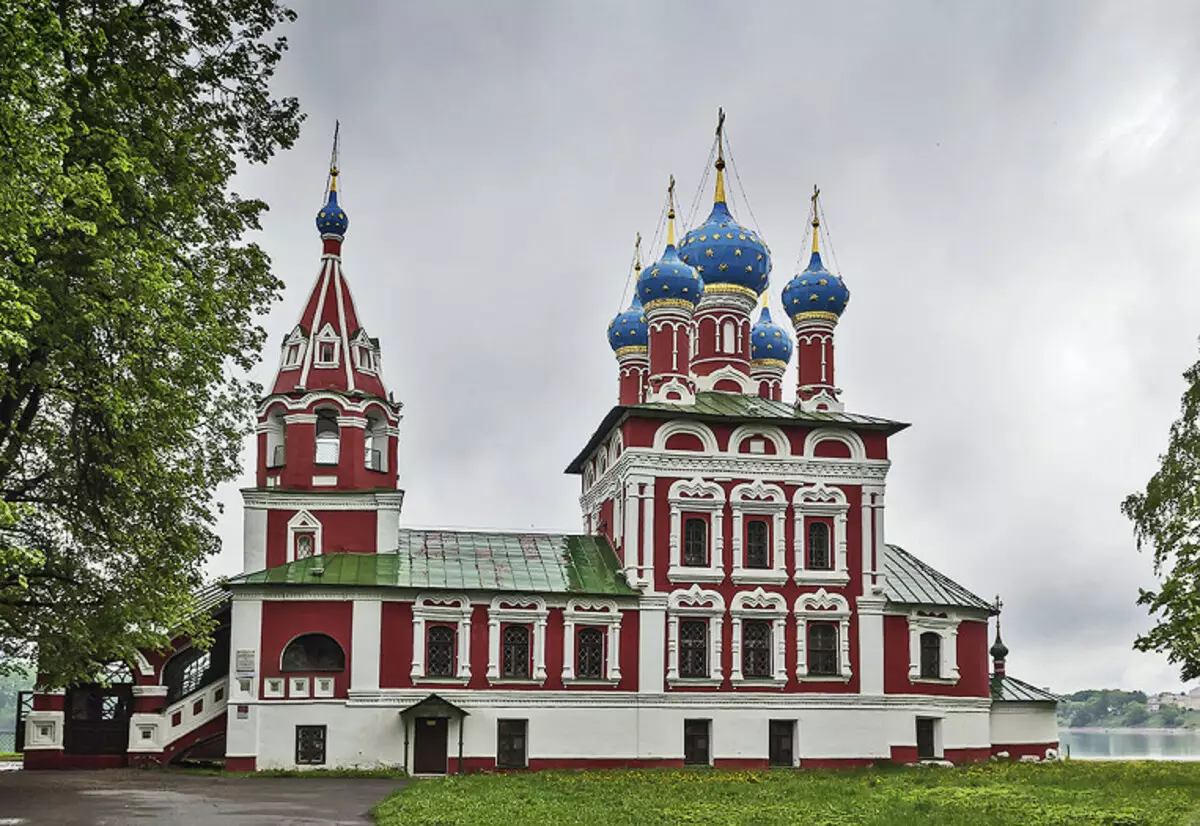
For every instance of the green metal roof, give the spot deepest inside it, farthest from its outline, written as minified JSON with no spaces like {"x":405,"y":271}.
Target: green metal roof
{"x":909,"y":580}
{"x":465,"y":560}
{"x":734,"y":406}
{"x":1008,"y":689}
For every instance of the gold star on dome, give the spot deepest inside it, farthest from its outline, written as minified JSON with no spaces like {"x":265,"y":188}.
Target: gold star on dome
{"x":703,"y":237}
{"x":668,"y":286}
{"x":759,"y":255}
{"x":737,"y":251}
{"x":742,"y":237}
{"x":696,"y":277}
{"x":770,"y":347}
{"x":685,"y":259}
{"x":723,"y":267}
{"x":749,"y":268}
{"x":654,"y":272}
{"x":777,"y":334}
{"x":833,"y":298}
{"x":684,"y":290}
{"x":804,"y":283}
{"x":709,"y":252}
{"x":729,"y":235}
{"x":700,"y":268}
{"x":824,"y":282}
{"x":322,"y":213}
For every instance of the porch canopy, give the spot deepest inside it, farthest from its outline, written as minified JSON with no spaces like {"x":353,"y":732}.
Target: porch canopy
{"x":433,"y":706}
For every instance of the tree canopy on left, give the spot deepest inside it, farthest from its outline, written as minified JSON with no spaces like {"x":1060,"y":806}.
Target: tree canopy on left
{"x":129,"y":300}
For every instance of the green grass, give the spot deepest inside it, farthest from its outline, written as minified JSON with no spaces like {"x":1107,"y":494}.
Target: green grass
{"x":9,"y":757}
{"x":1074,"y":793}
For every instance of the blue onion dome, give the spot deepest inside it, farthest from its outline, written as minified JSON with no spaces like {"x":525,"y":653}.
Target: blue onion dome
{"x":769,"y":342}
{"x":723,"y":251}
{"x":669,"y":281}
{"x":332,"y":219}
{"x":816,"y":290}
{"x":629,"y":328}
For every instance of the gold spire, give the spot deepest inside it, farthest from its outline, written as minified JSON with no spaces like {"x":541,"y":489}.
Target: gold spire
{"x":816,"y":220}
{"x":763,"y":303}
{"x":671,"y":212}
{"x":637,"y":255}
{"x":719,"y":198}
{"x":333,"y":157}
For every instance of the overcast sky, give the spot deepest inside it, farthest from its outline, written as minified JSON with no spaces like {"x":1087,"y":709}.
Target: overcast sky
{"x":1013,"y":191}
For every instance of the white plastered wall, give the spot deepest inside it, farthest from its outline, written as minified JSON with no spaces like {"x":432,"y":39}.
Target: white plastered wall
{"x":1023,"y":723}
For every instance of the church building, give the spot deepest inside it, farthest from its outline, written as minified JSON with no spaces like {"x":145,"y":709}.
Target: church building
{"x":732,"y":598}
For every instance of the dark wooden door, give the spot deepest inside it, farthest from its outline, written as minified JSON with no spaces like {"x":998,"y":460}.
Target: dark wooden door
{"x":925,"y":744}
{"x":429,"y":745}
{"x":97,"y":719}
{"x":782,"y":753}
{"x":695,"y":742}
{"x":24,"y":706}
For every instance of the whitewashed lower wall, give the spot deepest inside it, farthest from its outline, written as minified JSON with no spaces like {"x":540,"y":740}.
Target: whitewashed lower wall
{"x":1016,"y":723}
{"x":369,"y":733}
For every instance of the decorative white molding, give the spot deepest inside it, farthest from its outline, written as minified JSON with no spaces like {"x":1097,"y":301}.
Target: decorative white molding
{"x":44,"y":730}
{"x":601,"y":613}
{"x":695,"y":603}
{"x":298,"y":687}
{"x":759,"y":604}
{"x":273,"y":687}
{"x":327,"y":336}
{"x":820,"y":500}
{"x":946,"y":629}
{"x":347,"y":404}
{"x":708,"y":384}
{"x":257,"y":499}
{"x":822,"y":606}
{"x":700,"y":496}
{"x":770,"y":433}
{"x":759,"y":498}
{"x":682,"y":426}
{"x":143,"y":665}
{"x":518,"y":610}
{"x":858,"y":450}
{"x":449,"y":608}
{"x":300,"y":524}
{"x":822,"y":401}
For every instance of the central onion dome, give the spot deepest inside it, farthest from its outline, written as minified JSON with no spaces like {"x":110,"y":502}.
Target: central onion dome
{"x":629,"y":328}
{"x":669,"y":281}
{"x":815,"y":292}
{"x":769,"y":342}
{"x":725,"y":253}
{"x":332,"y":220}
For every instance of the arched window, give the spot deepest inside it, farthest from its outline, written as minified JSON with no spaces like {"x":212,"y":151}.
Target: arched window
{"x":931,"y":655}
{"x":516,"y":652}
{"x":693,"y":648}
{"x":589,"y":654}
{"x":313,"y":652}
{"x":822,"y":648}
{"x":328,"y":437}
{"x":728,"y":337}
{"x":695,"y":542}
{"x":276,"y":439}
{"x":376,"y":443}
{"x":819,"y":558}
{"x":756,"y":649}
{"x":758,"y":550}
{"x":439,"y":651}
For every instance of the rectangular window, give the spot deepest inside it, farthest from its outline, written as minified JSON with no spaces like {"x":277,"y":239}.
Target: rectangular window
{"x":589,"y":654}
{"x":326,"y":353}
{"x":293,"y":355}
{"x":819,"y":556}
{"x":693,"y":648}
{"x":782,"y":750}
{"x":510,"y":744}
{"x":696,"y":742}
{"x":516,"y":653}
{"x":439,"y":651}
{"x":758,"y":548}
{"x":822,"y":648}
{"x":310,"y":745}
{"x":756,"y":649}
{"x":931,"y":655}
{"x":695,"y":543}
{"x":926,"y":739}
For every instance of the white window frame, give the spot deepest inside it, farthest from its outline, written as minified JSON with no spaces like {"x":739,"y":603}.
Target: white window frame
{"x":298,"y":688}
{"x":451,"y":609}
{"x":753,"y":605}
{"x":822,"y":606}
{"x":697,"y":496}
{"x":326,"y":336}
{"x":360,"y":345}
{"x":822,"y":501}
{"x":517,"y":610}
{"x":759,"y":499}
{"x":303,"y":523}
{"x":274,"y":687}
{"x":593,"y":613}
{"x":299,"y":340}
{"x":695,"y":603}
{"x":323,"y":687}
{"x":946,"y":627}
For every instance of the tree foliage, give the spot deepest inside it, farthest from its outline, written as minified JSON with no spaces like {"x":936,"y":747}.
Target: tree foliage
{"x":128,"y":306}
{"x":1166,"y":518}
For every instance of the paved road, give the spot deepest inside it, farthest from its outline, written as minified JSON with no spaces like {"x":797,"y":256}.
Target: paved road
{"x":125,"y":796}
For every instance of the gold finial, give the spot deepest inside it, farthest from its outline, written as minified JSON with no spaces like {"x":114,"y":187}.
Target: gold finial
{"x":816,"y":220}
{"x":719,"y":198}
{"x":763,"y":303}
{"x":333,"y":157}
{"x":637,"y":255}
{"x":671,"y":212}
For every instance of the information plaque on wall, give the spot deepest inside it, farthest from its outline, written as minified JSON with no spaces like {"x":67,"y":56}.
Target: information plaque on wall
{"x":244,"y":661}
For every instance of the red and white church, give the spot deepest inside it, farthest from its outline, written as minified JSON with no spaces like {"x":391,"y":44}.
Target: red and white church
{"x":731,"y":601}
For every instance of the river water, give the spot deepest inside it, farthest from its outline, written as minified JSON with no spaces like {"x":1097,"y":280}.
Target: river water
{"x":1131,"y":744}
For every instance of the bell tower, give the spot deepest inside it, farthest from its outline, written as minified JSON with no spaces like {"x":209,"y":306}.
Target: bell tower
{"x":326,"y":479}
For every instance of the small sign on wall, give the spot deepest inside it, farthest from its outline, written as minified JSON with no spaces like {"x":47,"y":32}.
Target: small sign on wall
{"x":243,"y":712}
{"x":244,"y":661}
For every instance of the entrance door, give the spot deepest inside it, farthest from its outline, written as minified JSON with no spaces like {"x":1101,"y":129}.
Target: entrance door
{"x":429,"y":745}
{"x":695,"y":743}
{"x":97,"y":719}
{"x":24,"y":706}
{"x":781,"y":752}
{"x":926,"y":745}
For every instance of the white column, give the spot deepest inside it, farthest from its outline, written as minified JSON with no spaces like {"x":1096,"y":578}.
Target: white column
{"x":254,"y":539}
{"x":365,"y":628}
{"x":735,"y":649}
{"x":387,"y":525}
{"x":647,"y":552}
{"x":245,"y":638}
{"x":879,"y":540}
{"x":631,"y":530}
{"x":869,"y":558}
{"x":539,"y":649}
{"x":568,"y":671}
{"x":779,"y":648}
{"x":737,"y":540}
{"x":493,"y":669}
{"x":778,"y":541}
{"x":418,"y":649}
{"x":715,"y":669}
{"x":870,"y":644}
{"x":614,"y":651}
{"x":464,"y":647}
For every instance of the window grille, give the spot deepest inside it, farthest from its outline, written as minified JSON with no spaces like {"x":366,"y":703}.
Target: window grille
{"x":756,"y":648}
{"x":439,"y":651}
{"x":822,"y":649}
{"x":313,"y":652}
{"x":819,"y":558}
{"x":589,"y":654}
{"x":758,"y":551}
{"x":693,"y":648}
{"x":516,"y":652}
{"x":310,"y":745}
{"x":695,"y":543}
{"x":931,"y":655}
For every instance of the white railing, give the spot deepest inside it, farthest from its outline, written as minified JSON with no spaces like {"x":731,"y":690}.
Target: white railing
{"x":154,"y":732}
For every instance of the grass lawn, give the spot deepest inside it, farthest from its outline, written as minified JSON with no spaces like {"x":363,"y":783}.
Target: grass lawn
{"x":9,"y":757}
{"x":1074,"y":793}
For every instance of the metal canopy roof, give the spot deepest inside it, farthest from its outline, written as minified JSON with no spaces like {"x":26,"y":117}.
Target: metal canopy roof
{"x":1006,"y":689}
{"x":732,"y":407}
{"x":911,"y":581}
{"x":465,"y":560}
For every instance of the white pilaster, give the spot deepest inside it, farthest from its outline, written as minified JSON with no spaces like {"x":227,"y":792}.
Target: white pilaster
{"x":631,"y":531}
{"x":254,"y":540}
{"x":652,"y":634}
{"x":245,"y":666}
{"x":870,"y":644}
{"x":646,"y":571}
{"x":365,"y":627}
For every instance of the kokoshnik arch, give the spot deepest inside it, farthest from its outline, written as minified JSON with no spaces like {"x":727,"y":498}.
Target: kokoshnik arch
{"x":731,"y":601}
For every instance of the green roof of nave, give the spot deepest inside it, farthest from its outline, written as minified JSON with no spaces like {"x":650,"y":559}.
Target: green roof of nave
{"x":465,"y":560}
{"x":1006,"y":689}
{"x":911,"y":582}
{"x":734,"y":407}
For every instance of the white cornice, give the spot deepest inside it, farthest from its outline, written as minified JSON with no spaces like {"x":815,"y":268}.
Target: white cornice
{"x":276,"y":499}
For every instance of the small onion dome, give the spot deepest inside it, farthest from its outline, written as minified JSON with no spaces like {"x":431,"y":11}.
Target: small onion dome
{"x":332,"y":220}
{"x":769,"y":342}
{"x":669,"y":279}
{"x":629,"y":328}
{"x":816,"y":290}
{"x":999,"y":650}
{"x":725,"y":252}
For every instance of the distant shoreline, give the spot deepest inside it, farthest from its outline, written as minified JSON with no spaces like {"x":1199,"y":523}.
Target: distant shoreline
{"x":1117,"y":729}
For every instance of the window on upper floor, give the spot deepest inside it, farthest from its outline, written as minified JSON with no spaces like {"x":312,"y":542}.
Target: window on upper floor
{"x":313,"y":652}
{"x":439,"y":651}
{"x":589,"y":654}
{"x":516,"y":652}
{"x":756,"y":649}
{"x":819,"y":556}
{"x":328,"y":438}
{"x":695,"y":542}
{"x":376,"y":443}
{"x":822,"y":649}
{"x":728,"y":337}
{"x":931,"y":655}
{"x":758,"y":548}
{"x":693,"y":648}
